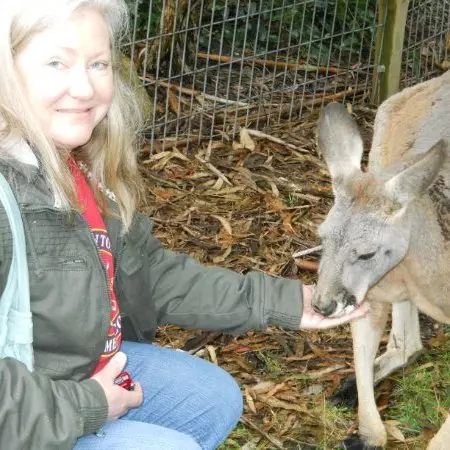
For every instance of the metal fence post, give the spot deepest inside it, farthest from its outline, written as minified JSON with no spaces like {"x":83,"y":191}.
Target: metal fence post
{"x":389,"y":46}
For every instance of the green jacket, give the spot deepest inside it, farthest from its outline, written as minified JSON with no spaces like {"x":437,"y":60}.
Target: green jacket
{"x":52,"y":407}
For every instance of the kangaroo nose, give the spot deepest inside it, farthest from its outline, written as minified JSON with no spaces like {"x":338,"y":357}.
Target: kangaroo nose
{"x":327,"y":309}
{"x":350,"y":300}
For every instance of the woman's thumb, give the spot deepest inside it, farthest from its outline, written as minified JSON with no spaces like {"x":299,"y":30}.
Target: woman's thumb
{"x":116,"y":365}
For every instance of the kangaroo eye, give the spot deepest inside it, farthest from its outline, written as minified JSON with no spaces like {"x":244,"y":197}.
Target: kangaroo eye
{"x":366,"y":256}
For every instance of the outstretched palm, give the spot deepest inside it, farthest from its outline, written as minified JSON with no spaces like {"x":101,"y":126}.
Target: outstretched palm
{"x":312,"y":320}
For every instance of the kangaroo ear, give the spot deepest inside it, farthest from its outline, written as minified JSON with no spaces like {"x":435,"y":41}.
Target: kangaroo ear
{"x":416,"y":179}
{"x":339,"y":142}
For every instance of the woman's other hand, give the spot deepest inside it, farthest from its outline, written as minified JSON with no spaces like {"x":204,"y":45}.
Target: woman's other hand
{"x":119,"y":399}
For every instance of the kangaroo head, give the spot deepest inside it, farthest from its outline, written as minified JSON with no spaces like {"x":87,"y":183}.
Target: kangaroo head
{"x":367,"y":231}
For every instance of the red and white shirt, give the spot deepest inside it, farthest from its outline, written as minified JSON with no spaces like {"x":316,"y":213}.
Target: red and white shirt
{"x":96,"y":223}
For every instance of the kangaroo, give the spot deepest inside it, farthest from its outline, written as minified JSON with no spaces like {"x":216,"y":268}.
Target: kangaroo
{"x":386,"y":239}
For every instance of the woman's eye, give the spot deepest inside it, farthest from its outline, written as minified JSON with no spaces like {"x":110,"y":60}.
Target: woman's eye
{"x":366,"y":256}
{"x":56,"y":64}
{"x":100,"y":65}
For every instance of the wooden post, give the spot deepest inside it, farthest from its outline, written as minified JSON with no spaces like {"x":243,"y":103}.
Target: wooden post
{"x":389,"y":47}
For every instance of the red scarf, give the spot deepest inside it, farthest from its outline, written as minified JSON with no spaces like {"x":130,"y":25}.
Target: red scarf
{"x":96,"y":223}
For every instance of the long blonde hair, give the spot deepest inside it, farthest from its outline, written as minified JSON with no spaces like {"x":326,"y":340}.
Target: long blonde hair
{"x":111,"y":152}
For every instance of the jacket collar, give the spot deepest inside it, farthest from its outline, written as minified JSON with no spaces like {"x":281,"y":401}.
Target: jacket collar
{"x":18,"y":155}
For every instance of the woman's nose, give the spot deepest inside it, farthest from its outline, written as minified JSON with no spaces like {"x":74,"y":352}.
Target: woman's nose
{"x":81,"y":84}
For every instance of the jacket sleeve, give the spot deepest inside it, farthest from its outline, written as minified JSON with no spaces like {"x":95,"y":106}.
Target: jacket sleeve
{"x":37,"y":412}
{"x":191,"y":295}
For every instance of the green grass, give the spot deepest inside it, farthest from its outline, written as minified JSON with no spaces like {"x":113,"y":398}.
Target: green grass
{"x":422,"y":393}
{"x":291,"y":201}
{"x":271,"y":365}
{"x":234,"y":441}
{"x":335,"y":422}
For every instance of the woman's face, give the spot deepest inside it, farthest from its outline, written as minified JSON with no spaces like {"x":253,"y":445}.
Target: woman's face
{"x":67,"y":76}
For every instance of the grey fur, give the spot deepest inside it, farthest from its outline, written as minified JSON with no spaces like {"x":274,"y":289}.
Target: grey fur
{"x":386,"y":238}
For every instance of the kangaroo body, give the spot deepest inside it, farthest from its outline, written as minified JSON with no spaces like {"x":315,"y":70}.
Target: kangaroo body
{"x":386,"y":239}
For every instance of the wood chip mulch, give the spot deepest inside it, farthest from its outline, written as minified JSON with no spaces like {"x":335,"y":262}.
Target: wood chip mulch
{"x":249,"y":204}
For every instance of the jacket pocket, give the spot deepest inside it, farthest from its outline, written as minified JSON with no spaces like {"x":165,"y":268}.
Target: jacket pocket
{"x":62,"y":263}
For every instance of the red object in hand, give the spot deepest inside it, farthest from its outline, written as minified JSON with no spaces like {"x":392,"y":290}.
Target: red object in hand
{"x":124,"y":380}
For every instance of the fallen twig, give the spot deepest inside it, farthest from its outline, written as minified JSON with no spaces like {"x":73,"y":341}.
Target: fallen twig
{"x":290,"y":108}
{"x":194,"y":344}
{"x":183,"y":90}
{"x":308,"y":251}
{"x":270,"y":63}
{"x":317,"y":374}
{"x":271,"y":439}
{"x":194,"y":92}
{"x":225,"y":101}
{"x":214,"y":170}
{"x":307,"y":264}
{"x":262,"y":135}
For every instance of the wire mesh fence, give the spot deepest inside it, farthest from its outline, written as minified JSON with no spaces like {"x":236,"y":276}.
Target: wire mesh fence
{"x":427,"y":40}
{"x":210,"y":67}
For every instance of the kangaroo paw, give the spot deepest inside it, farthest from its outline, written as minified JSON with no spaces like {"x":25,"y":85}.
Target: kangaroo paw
{"x":346,"y":395}
{"x":354,"y":442}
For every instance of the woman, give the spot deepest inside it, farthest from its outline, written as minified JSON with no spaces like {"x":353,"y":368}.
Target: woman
{"x":100,"y":283}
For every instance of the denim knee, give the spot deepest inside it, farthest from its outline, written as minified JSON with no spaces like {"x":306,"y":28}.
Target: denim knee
{"x":225,"y":406}
{"x":232,"y":397}
{"x":185,"y":393}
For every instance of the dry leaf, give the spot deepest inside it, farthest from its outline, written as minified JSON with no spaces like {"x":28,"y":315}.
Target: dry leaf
{"x":165,"y":194}
{"x":275,"y":389}
{"x":224,"y":223}
{"x":246,"y":141}
{"x":290,"y":422}
{"x":262,"y":388}
{"x":212,"y":354}
{"x":276,"y":403}
{"x":287,"y":225}
{"x":313,"y":389}
{"x":169,"y":154}
{"x":249,"y":401}
{"x":223,"y":257}
{"x":275,"y":191}
{"x":225,"y":239}
{"x":393,"y":430}
{"x":274,"y":204}
{"x":443,"y":65}
{"x":218,"y":184}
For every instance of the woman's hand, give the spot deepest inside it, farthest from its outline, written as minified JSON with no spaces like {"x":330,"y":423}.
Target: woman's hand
{"x":312,"y":320}
{"x":119,"y":399}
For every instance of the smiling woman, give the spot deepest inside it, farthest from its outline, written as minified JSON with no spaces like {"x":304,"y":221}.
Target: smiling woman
{"x":67,"y":75}
{"x":59,"y":51}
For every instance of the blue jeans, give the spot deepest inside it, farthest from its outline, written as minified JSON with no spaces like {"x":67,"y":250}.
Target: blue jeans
{"x":189,"y":404}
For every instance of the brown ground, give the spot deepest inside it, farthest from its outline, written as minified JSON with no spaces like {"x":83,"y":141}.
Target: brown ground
{"x":250,"y":205}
